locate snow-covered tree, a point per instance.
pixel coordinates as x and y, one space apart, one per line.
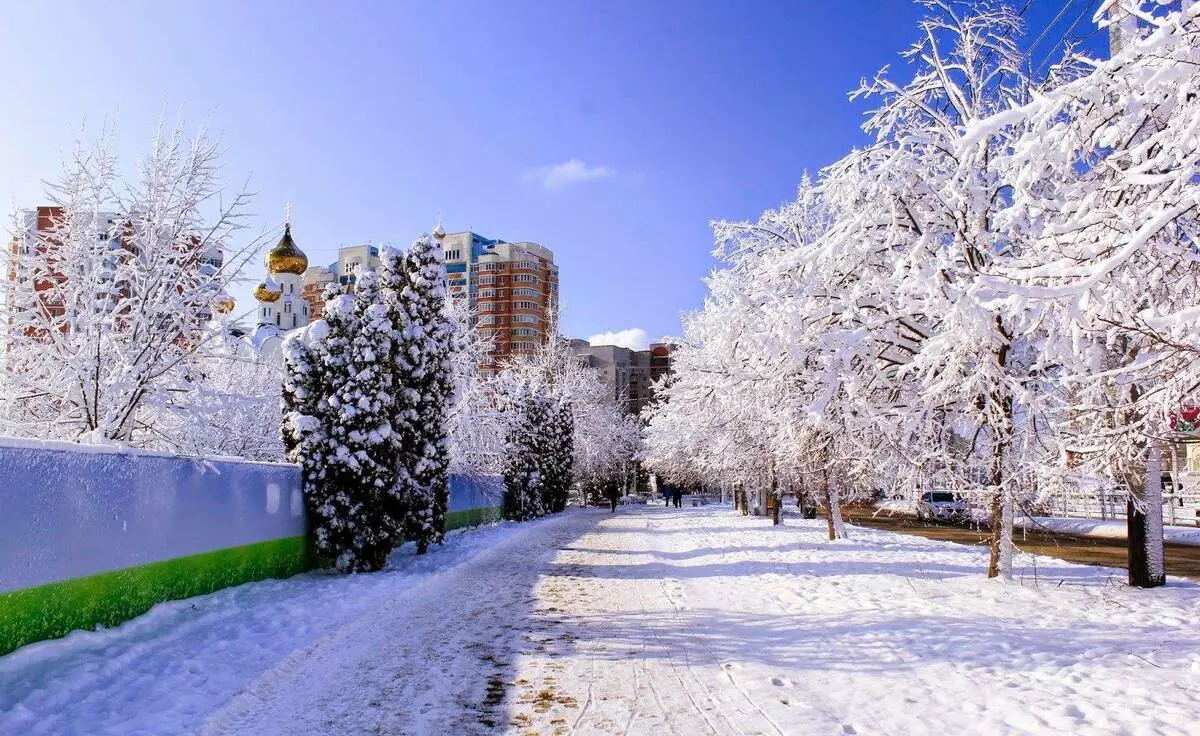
528 416
107 321
337 427
476 423
558 456
1103 184
235 408
415 291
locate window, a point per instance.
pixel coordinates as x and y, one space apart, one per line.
523 332
526 292
487 279
489 267
525 305
277 319
530 346
489 319
526 277
487 293
526 318
487 307
287 307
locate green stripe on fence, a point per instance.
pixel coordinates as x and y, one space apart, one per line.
53 610
471 517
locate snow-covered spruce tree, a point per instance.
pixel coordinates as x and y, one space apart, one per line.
393 281
434 381
558 456
108 316
527 414
344 444
414 288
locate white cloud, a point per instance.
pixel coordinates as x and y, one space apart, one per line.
635 338
568 173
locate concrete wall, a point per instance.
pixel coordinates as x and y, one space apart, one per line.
94 536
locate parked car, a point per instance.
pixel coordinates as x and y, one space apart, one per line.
941 506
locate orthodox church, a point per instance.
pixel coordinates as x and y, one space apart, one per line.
281 307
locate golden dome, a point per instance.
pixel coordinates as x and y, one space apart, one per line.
224 305
267 293
286 257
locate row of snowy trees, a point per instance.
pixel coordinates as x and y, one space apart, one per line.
998 294
551 426
367 396
119 329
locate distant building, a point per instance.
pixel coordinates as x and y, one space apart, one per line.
511 290
34 236
628 374
316 278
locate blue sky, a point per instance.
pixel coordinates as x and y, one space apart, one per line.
611 132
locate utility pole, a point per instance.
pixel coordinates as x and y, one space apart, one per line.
1122 28
1143 510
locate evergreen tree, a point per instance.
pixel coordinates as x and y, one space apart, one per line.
393 282
529 413
558 456
416 294
333 429
369 408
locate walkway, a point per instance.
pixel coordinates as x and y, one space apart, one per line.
699 621
649 621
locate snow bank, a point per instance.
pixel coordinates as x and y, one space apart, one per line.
1112 529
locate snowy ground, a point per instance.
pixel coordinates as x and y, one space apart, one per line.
166 671
1110 529
649 621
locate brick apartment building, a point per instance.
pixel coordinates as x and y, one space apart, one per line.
510 288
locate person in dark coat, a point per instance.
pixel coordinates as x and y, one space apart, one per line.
677 497
614 495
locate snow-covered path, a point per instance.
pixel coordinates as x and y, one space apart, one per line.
648 621
699 621
433 660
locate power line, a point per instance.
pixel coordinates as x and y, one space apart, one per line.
1088 10
1051 24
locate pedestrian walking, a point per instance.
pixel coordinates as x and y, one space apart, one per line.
677 497
614 495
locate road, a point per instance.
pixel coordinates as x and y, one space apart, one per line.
1182 560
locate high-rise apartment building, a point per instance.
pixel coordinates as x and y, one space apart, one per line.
511 290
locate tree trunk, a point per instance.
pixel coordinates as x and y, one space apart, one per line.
1000 558
1145 526
837 528
776 500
